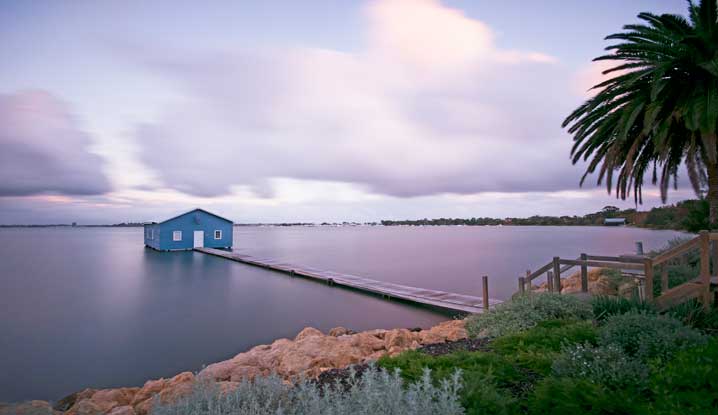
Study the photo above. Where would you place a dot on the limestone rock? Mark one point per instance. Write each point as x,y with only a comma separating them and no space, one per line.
308,332
144,407
368,343
122,410
92,402
167,389
87,407
430,337
177,387
451,330
26,408
598,284
339,331
150,388
602,286
398,339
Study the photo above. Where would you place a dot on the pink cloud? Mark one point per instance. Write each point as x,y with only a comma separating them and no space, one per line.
591,75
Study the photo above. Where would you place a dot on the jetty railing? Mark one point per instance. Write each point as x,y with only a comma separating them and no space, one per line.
641,267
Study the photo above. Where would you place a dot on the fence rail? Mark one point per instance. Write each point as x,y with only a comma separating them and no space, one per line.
645,264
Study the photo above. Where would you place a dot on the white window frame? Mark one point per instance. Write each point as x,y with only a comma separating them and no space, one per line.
176,235
215,234
150,234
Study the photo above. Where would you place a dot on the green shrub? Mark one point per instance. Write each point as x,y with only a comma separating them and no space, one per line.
487,378
692,313
614,276
677,275
605,365
568,396
547,336
376,392
607,306
648,336
480,395
412,365
535,349
527,311
689,383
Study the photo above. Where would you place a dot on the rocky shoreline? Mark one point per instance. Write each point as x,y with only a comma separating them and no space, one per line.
310,354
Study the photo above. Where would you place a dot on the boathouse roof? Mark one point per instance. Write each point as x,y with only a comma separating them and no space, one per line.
192,211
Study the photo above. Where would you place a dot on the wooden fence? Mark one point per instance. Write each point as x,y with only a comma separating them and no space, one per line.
641,267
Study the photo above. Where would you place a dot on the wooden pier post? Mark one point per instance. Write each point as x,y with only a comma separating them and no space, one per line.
522,285
584,274
485,291
557,274
639,248
705,274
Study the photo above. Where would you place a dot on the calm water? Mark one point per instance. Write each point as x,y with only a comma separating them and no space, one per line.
91,307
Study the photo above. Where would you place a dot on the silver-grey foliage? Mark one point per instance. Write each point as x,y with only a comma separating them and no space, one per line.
376,392
526,311
606,365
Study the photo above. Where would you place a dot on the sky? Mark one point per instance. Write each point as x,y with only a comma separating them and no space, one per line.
312,111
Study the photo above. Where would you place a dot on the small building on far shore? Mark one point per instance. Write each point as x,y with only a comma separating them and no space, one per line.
194,229
614,221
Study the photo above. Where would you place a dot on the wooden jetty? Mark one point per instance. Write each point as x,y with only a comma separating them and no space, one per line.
440,299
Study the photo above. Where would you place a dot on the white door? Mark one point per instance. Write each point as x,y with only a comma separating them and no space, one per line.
198,239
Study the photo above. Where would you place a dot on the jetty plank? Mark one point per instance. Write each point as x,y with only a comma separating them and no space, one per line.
435,298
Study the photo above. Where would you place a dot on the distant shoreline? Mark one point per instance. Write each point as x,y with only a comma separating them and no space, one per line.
286,225
687,215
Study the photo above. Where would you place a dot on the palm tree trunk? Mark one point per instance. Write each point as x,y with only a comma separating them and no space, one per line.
713,195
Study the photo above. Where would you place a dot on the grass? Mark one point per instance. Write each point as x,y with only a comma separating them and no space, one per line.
605,306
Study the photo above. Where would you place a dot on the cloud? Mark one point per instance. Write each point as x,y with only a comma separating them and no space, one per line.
431,105
42,149
591,75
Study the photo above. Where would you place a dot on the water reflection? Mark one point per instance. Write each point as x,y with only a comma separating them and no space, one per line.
94,308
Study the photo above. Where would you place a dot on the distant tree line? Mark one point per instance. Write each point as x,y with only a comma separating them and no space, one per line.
689,215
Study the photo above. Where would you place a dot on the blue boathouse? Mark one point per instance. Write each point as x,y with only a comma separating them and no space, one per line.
194,229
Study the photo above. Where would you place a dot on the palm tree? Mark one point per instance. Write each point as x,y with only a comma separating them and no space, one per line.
659,109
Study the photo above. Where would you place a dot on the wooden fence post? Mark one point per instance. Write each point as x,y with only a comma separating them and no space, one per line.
528,280
705,267
664,278
584,274
557,274
648,271
522,285
485,289
714,253
549,281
